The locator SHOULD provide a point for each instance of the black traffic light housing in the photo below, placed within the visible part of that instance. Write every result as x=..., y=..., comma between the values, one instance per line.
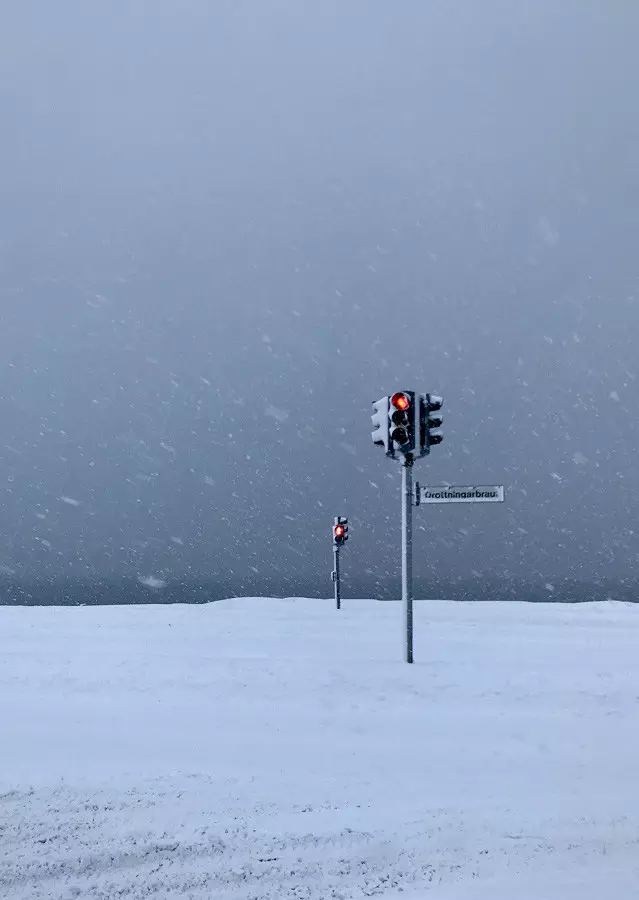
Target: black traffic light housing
x=403, y=418
x=340, y=531
x=429, y=422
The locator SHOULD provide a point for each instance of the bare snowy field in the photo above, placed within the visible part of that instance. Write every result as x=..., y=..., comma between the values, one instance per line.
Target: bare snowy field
x=277, y=749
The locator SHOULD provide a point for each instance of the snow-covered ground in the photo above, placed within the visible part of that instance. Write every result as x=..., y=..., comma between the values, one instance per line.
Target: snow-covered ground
x=262, y=748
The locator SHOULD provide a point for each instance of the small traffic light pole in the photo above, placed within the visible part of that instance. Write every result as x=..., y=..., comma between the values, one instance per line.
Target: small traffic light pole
x=340, y=536
x=407, y=552
x=336, y=577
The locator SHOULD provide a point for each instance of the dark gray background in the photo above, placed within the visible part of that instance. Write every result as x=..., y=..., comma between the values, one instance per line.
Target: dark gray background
x=227, y=227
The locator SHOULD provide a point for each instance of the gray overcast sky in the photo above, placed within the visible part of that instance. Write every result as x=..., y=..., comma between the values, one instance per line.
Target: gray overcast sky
x=227, y=227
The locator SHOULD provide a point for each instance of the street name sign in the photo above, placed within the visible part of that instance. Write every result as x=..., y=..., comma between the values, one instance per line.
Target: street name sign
x=491, y=493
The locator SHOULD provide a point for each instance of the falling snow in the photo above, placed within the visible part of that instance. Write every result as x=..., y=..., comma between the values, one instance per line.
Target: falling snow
x=280, y=415
x=151, y=581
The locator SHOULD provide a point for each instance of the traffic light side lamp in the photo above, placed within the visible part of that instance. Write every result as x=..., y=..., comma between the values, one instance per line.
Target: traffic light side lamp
x=381, y=423
x=430, y=424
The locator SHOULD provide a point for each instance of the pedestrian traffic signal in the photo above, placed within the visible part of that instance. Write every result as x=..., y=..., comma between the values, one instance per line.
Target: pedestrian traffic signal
x=402, y=421
x=340, y=531
x=430, y=424
x=381, y=424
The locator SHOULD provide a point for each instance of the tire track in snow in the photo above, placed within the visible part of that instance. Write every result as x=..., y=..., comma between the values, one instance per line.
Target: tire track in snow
x=65, y=846
x=104, y=845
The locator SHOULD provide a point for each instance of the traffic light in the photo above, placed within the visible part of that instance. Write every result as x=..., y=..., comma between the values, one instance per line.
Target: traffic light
x=429, y=424
x=340, y=531
x=402, y=414
x=381, y=424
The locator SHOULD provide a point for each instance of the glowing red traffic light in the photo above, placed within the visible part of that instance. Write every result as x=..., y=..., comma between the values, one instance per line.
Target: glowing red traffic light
x=400, y=401
x=339, y=531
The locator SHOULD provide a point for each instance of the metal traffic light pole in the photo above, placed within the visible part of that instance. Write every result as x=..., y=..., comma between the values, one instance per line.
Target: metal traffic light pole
x=404, y=423
x=407, y=552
